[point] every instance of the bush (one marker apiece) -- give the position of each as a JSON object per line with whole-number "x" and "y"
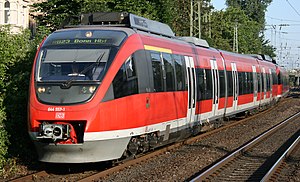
{"x": 17, "y": 53}
{"x": 3, "y": 139}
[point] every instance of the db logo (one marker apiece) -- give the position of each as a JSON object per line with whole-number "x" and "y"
{"x": 60, "y": 115}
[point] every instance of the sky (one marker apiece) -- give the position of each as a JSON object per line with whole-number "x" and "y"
{"x": 283, "y": 29}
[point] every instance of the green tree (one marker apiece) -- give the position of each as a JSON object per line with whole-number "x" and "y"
{"x": 255, "y": 9}
{"x": 223, "y": 23}
{"x": 180, "y": 19}
{"x": 16, "y": 58}
{"x": 95, "y": 6}
{"x": 268, "y": 49}
{"x": 54, "y": 12}
{"x": 143, "y": 8}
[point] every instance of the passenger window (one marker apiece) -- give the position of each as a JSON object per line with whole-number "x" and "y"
{"x": 200, "y": 84}
{"x": 268, "y": 82}
{"x": 241, "y": 83}
{"x": 230, "y": 83}
{"x": 258, "y": 82}
{"x": 157, "y": 72}
{"x": 250, "y": 76}
{"x": 263, "y": 82}
{"x": 279, "y": 79}
{"x": 222, "y": 83}
{"x": 209, "y": 86}
{"x": 180, "y": 73}
{"x": 169, "y": 69}
{"x": 125, "y": 82}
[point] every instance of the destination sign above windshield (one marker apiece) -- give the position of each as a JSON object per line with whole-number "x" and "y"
{"x": 81, "y": 41}
{"x": 81, "y": 37}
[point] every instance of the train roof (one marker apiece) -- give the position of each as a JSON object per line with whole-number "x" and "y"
{"x": 195, "y": 41}
{"x": 128, "y": 31}
{"x": 263, "y": 57}
{"x": 134, "y": 22}
{"x": 128, "y": 20}
{"x": 131, "y": 23}
{"x": 236, "y": 54}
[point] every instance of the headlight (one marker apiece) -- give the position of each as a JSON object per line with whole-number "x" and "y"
{"x": 92, "y": 89}
{"x": 88, "y": 90}
{"x": 84, "y": 90}
{"x": 41, "y": 90}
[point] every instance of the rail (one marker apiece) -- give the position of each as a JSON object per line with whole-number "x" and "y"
{"x": 213, "y": 169}
{"x": 285, "y": 155}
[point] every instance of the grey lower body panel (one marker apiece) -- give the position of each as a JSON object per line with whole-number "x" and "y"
{"x": 90, "y": 151}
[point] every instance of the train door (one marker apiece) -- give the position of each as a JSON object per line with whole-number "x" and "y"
{"x": 191, "y": 80}
{"x": 216, "y": 87}
{"x": 255, "y": 85}
{"x": 235, "y": 85}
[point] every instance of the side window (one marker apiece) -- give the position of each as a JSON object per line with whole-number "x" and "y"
{"x": 275, "y": 79}
{"x": 157, "y": 72}
{"x": 241, "y": 83}
{"x": 258, "y": 82}
{"x": 279, "y": 79}
{"x": 200, "y": 74}
{"x": 251, "y": 86}
{"x": 180, "y": 72}
{"x": 125, "y": 82}
{"x": 263, "y": 82}
{"x": 222, "y": 83}
{"x": 246, "y": 83}
{"x": 169, "y": 69}
{"x": 209, "y": 86}
{"x": 268, "y": 82}
{"x": 230, "y": 83}
{"x": 130, "y": 71}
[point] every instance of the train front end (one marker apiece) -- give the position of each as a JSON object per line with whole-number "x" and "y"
{"x": 68, "y": 72}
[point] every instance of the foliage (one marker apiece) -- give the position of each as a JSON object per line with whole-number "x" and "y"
{"x": 249, "y": 30}
{"x": 143, "y": 8}
{"x": 56, "y": 11}
{"x": 16, "y": 58}
{"x": 268, "y": 49}
{"x": 180, "y": 11}
{"x": 223, "y": 23}
{"x": 3, "y": 137}
{"x": 254, "y": 9}
{"x": 95, "y": 6}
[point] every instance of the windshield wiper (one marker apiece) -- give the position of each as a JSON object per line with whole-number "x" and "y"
{"x": 67, "y": 84}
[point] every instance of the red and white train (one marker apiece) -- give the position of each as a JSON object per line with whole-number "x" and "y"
{"x": 101, "y": 92}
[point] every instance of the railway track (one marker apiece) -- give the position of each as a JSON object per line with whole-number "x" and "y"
{"x": 40, "y": 176}
{"x": 275, "y": 171}
{"x": 31, "y": 177}
{"x": 258, "y": 160}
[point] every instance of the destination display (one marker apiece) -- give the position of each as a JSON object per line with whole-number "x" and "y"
{"x": 82, "y": 41}
{"x": 81, "y": 37}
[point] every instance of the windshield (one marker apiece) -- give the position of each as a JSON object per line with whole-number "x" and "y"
{"x": 62, "y": 64}
{"x": 77, "y": 55}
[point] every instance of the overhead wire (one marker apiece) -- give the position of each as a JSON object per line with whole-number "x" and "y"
{"x": 282, "y": 19}
{"x": 293, "y": 7}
